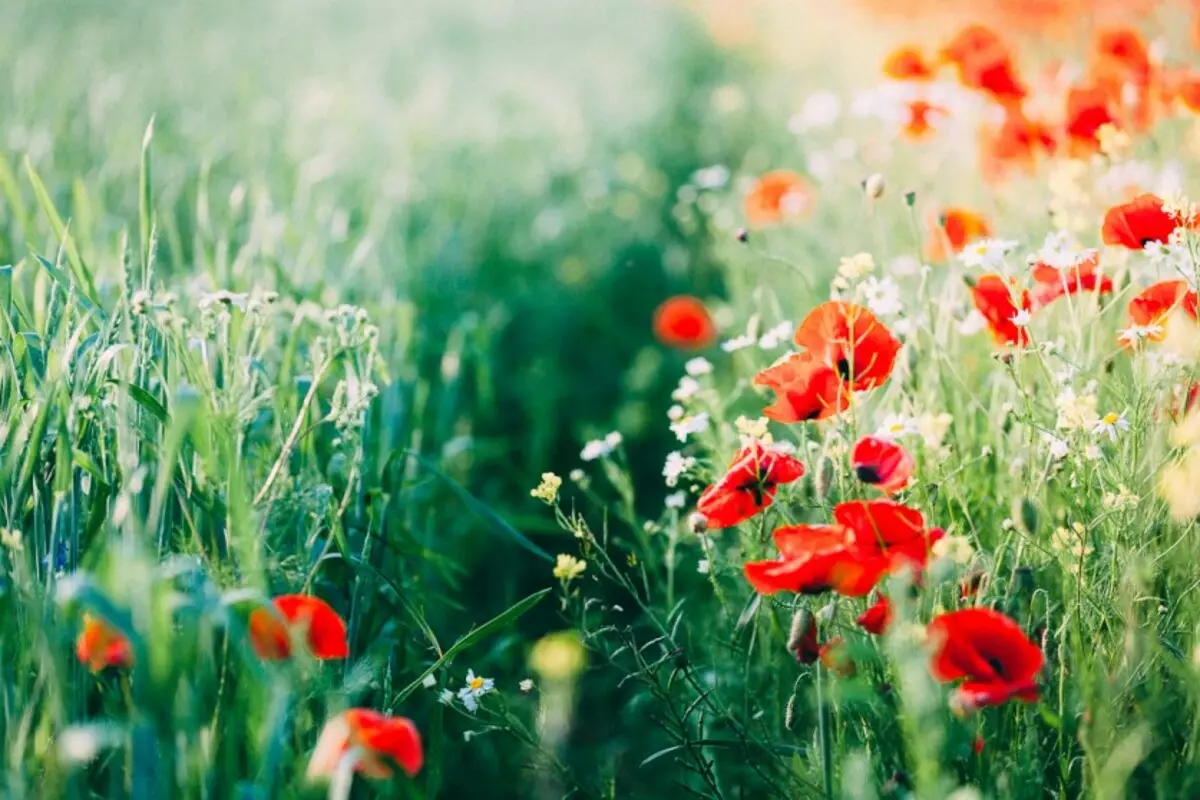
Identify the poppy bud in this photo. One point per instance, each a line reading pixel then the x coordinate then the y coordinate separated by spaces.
pixel 697 523
pixel 742 235
pixel 1026 514
pixel 910 198
pixel 823 477
pixel 802 638
pixel 1024 578
pixel 789 713
pixel 873 185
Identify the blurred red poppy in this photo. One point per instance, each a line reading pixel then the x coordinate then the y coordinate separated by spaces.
pixel 850 340
pixel 683 322
pixel 999 301
pixel 835 656
pixel 919 125
pixel 989 652
pixel 985 63
pixel 908 63
pixel 878 617
pixel 1018 143
pixel 868 541
pixel 748 486
pixel 1089 108
pixel 1055 283
pixel 881 463
pixel 777 196
pixel 953 230
pixel 1121 57
pixel 1137 223
pixel 380 742
pixel 1152 309
pixel 805 389
pixel 100 645
pixel 323 629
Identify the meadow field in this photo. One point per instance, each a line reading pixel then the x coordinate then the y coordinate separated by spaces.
pixel 651 398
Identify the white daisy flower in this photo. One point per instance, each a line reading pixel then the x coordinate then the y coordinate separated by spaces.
pixel 1058 447
pixel 675 466
pixel 688 425
pixel 896 426
pixel 1136 333
pixel 476 688
pixel 688 388
pixel 882 296
pixel 987 254
pixel 1110 424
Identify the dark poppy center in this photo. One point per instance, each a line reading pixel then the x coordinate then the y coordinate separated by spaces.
pixel 844 370
pixel 867 473
pixel 997 666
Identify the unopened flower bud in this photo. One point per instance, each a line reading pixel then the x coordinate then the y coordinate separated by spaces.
pixel 873 186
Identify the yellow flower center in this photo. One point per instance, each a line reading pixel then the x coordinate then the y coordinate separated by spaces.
pixel 1111 418
pixel 476 684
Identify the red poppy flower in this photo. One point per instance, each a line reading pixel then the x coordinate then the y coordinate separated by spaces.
pixel 100 646
pixel 1088 110
pixel 1137 223
pixel 1153 308
pixel 953 230
pixel 869 541
pixel 882 463
pixel 850 340
pixel 684 322
pixel 984 63
pixel 878 617
pixel 323 629
pixel 1017 144
pixel 805 389
pixel 1055 283
pixel 989 652
pixel 777 196
pixel 748 486
pixel 381 742
pixel 999 301
pixel 907 63
pixel 1121 56
pixel 918 125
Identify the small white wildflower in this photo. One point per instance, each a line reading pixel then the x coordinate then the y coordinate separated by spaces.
pixel 1076 411
pixel 1022 318
pixel 713 177
pixel 956 548
pixel 675 466
pixel 429 681
pixel 475 688
pixel 1136 333
pixel 773 337
pixel 688 426
pixel 882 296
pixel 856 266
pixel 526 685
pixel 1058 447
pixel 986 254
pixel 1007 524
pixel 738 343
pixel 577 475
pixel 752 430
pixel 595 449
pixel 933 428
pixel 820 110
pixel 676 500
pixel 1093 453
pixel 547 490
pixel 903 266
pixel 675 412
pixel 688 388
pixel 698 366
pixel 972 323
pixel 985 451
pixel 613 440
pixel 896 426
pixel 446 697
pixel 1110 424
pixel 702 566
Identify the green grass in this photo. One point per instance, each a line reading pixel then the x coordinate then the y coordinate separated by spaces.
pixel 304 297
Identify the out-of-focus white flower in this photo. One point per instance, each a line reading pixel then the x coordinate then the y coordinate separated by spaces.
pixel 1076 411
pixel 698 366
pixel 689 425
pixel 526 686
pixel 676 500
pixel 738 343
pixel 773 337
pixel 1022 318
pixel 713 177
pixel 688 388
pixel 903 266
pixel 1058 448
pixel 896 426
pixel 972 323
pixel 987 254
pixel 856 266
pixel 820 110
pixel 702 566
pixel 882 296
pixel 675 466
pixel 1136 333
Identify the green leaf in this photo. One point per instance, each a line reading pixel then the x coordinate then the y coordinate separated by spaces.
pixel 474 637
pixel 147 401
pixel 145 212
pixel 80 270
pixel 68 286
pixel 480 508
